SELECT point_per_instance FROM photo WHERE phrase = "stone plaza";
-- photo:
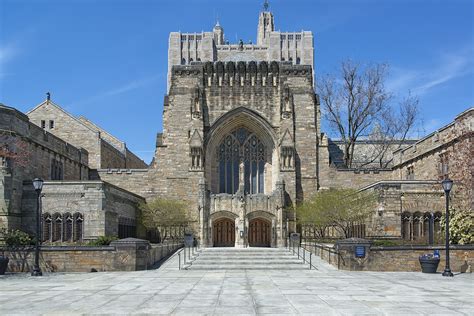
(325, 291)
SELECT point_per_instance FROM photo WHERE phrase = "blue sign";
(360, 252)
(436, 253)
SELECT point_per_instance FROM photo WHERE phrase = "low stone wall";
(393, 258)
(129, 254)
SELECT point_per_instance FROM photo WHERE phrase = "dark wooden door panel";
(259, 233)
(224, 233)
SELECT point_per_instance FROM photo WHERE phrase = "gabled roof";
(49, 102)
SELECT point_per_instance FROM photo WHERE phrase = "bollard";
(179, 261)
(310, 263)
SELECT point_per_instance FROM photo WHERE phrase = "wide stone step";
(196, 266)
(245, 261)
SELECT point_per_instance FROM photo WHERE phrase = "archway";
(260, 232)
(223, 231)
(241, 136)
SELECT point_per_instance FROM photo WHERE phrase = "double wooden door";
(260, 233)
(223, 233)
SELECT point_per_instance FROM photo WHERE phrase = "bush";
(461, 227)
(16, 238)
(102, 241)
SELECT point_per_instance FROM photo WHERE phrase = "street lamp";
(447, 185)
(38, 185)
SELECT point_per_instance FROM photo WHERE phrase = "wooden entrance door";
(260, 232)
(223, 233)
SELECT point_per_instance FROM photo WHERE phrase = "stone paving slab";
(168, 291)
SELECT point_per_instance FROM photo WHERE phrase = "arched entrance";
(260, 233)
(223, 232)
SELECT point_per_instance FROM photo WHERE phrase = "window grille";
(57, 227)
(241, 146)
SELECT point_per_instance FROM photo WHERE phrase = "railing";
(189, 254)
(295, 247)
(330, 251)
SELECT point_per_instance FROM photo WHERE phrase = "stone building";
(105, 150)
(74, 207)
(241, 145)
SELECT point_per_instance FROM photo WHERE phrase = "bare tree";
(357, 105)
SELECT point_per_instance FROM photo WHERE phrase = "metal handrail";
(191, 253)
(291, 247)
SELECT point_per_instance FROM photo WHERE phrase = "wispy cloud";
(8, 51)
(129, 86)
(421, 81)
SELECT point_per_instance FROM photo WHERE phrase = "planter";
(3, 264)
(429, 265)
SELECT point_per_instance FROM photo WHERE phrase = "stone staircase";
(247, 259)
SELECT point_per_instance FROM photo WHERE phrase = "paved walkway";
(170, 291)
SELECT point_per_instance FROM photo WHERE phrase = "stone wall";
(101, 204)
(446, 152)
(125, 255)
(105, 150)
(394, 258)
(397, 197)
(68, 128)
(35, 150)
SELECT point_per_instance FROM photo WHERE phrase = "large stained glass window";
(241, 146)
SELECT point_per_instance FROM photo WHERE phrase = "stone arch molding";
(261, 214)
(223, 214)
(239, 117)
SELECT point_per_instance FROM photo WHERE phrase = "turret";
(218, 34)
(266, 25)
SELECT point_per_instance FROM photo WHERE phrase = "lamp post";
(447, 185)
(38, 185)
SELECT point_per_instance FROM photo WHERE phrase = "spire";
(266, 5)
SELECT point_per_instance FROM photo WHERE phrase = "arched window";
(283, 59)
(426, 224)
(47, 227)
(57, 227)
(437, 222)
(298, 60)
(67, 227)
(78, 226)
(191, 60)
(241, 147)
(406, 226)
(290, 59)
(183, 61)
(417, 222)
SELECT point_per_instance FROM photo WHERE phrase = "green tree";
(162, 214)
(341, 208)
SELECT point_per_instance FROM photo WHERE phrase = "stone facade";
(38, 153)
(102, 205)
(105, 150)
(128, 254)
(97, 208)
(241, 146)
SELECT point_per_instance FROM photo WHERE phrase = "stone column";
(203, 212)
(280, 195)
(240, 222)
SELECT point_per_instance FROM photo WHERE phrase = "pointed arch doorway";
(223, 233)
(260, 232)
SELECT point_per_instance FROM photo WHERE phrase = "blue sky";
(107, 59)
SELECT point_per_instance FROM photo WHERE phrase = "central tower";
(240, 127)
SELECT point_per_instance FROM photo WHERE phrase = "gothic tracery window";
(57, 227)
(78, 226)
(241, 146)
(47, 227)
(67, 229)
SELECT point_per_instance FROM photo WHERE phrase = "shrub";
(16, 238)
(102, 241)
(461, 226)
